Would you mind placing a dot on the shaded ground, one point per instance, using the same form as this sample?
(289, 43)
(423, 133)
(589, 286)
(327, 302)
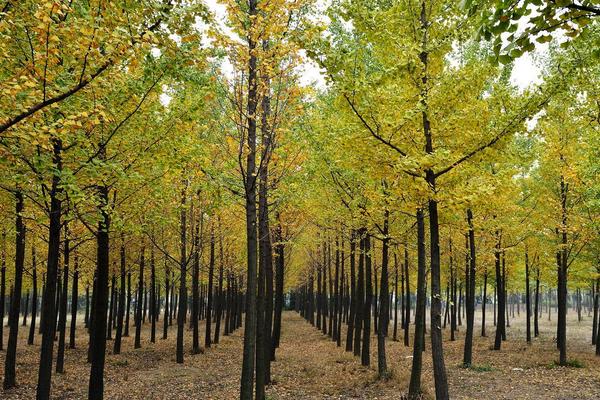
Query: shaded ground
(310, 366)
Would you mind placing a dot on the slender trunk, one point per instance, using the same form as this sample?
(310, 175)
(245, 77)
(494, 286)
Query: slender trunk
(395, 296)
(330, 303)
(527, 298)
(453, 308)
(319, 298)
(247, 379)
(336, 289)
(468, 353)
(121, 312)
(407, 305)
(414, 391)
(219, 305)
(499, 294)
(182, 310)
(279, 281)
(113, 296)
(166, 312)
(25, 311)
(152, 297)
(596, 287)
(128, 313)
(562, 276)
(383, 301)
(86, 317)
(47, 324)
(360, 293)
(484, 302)
(98, 345)
(211, 272)
(62, 321)
(3, 288)
(352, 314)
(439, 369)
(195, 292)
(366, 339)
(15, 302)
(35, 299)
(140, 299)
(324, 291)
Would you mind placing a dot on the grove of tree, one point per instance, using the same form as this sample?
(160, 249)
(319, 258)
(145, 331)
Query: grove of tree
(195, 175)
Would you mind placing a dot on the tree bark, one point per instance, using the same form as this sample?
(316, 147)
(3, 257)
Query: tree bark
(31, 337)
(47, 323)
(182, 310)
(366, 339)
(211, 272)
(360, 293)
(527, 298)
(121, 312)
(499, 294)
(383, 301)
(15, 302)
(351, 315)
(407, 300)
(195, 291)
(247, 379)
(468, 353)
(98, 344)
(2, 288)
(62, 321)
(138, 312)
(414, 390)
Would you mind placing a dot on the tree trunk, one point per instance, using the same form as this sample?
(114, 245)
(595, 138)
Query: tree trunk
(48, 306)
(596, 287)
(468, 353)
(219, 305)
(453, 284)
(360, 293)
(527, 298)
(336, 289)
(86, 317)
(279, 281)
(395, 297)
(499, 294)
(35, 299)
(211, 272)
(138, 312)
(167, 310)
(15, 303)
(484, 302)
(383, 301)
(195, 291)
(414, 391)
(152, 297)
(352, 314)
(109, 326)
(62, 321)
(246, 383)
(407, 302)
(121, 312)
(2, 288)
(128, 313)
(182, 310)
(98, 345)
(366, 339)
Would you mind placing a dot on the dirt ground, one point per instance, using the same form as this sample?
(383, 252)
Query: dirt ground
(311, 366)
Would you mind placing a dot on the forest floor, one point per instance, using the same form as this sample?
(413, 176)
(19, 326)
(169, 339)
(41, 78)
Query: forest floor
(310, 366)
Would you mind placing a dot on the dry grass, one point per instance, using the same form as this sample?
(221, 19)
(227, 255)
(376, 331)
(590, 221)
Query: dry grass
(310, 366)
